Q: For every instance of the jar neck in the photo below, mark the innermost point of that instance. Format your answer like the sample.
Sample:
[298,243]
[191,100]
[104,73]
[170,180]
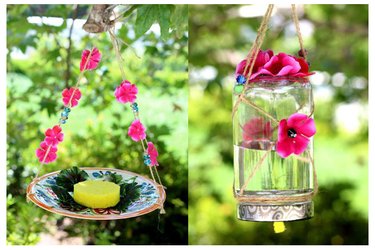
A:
[279,80]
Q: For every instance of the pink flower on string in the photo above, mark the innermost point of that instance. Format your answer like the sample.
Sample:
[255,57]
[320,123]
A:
[263,57]
[126,92]
[153,153]
[67,96]
[43,150]
[54,136]
[294,134]
[137,131]
[93,61]
[256,128]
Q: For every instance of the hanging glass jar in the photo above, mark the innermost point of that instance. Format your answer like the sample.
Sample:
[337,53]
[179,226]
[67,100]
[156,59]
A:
[272,184]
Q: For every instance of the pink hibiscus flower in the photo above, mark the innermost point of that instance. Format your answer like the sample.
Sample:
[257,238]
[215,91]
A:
[54,136]
[257,128]
[126,92]
[137,131]
[294,134]
[153,153]
[283,65]
[46,149]
[263,57]
[93,60]
[71,95]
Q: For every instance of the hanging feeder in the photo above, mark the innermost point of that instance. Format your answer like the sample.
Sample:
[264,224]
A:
[98,193]
[273,126]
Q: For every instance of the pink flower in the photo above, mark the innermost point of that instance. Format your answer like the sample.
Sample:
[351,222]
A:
[93,60]
[257,128]
[283,65]
[67,96]
[54,136]
[263,57]
[153,153]
[43,150]
[294,134]
[137,131]
[126,92]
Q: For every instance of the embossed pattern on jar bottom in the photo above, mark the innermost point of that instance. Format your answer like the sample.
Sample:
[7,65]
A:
[261,212]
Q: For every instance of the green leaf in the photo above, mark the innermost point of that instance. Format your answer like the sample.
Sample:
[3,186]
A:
[68,177]
[129,192]
[164,12]
[115,178]
[65,199]
[146,16]
[149,14]
[179,19]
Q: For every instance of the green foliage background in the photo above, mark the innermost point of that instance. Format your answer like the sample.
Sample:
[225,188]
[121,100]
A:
[218,39]
[96,132]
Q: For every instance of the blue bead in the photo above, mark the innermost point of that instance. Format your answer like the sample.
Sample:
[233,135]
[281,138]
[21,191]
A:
[241,79]
[134,106]
[147,162]
[62,121]
[64,114]
[66,109]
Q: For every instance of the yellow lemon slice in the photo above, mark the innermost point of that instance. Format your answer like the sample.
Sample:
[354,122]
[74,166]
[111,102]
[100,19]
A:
[96,194]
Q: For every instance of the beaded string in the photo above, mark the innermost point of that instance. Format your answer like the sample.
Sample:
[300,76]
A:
[135,108]
[65,113]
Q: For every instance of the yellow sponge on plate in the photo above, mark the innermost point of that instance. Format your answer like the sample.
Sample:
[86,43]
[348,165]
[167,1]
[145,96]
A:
[96,193]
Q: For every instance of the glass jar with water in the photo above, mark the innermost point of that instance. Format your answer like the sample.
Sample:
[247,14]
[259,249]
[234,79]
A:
[276,183]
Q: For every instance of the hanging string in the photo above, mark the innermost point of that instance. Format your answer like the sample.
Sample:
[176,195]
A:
[69,106]
[298,30]
[253,53]
[136,115]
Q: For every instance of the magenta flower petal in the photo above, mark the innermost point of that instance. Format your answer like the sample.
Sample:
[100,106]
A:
[54,136]
[126,92]
[294,134]
[137,131]
[153,153]
[300,144]
[284,148]
[302,124]
[257,128]
[71,95]
[42,151]
[93,60]
[262,58]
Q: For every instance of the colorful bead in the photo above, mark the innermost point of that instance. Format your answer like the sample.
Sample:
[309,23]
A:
[147,159]
[62,121]
[238,89]
[67,110]
[64,114]
[134,107]
[241,79]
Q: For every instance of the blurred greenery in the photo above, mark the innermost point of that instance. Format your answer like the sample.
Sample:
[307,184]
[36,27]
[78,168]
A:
[42,59]
[336,37]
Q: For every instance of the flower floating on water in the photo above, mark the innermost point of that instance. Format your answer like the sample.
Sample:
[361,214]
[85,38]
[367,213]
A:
[268,64]
[71,96]
[126,92]
[153,153]
[93,60]
[294,134]
[257,128]
[46,153]
[54,136]
[137,131]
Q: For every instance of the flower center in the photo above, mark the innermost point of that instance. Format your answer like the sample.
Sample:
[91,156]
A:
[292,133]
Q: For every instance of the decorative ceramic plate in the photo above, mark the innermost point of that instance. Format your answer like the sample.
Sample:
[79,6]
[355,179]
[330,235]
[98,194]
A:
[152,195]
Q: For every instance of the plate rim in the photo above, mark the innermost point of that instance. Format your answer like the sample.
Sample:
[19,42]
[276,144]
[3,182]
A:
[159,188]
